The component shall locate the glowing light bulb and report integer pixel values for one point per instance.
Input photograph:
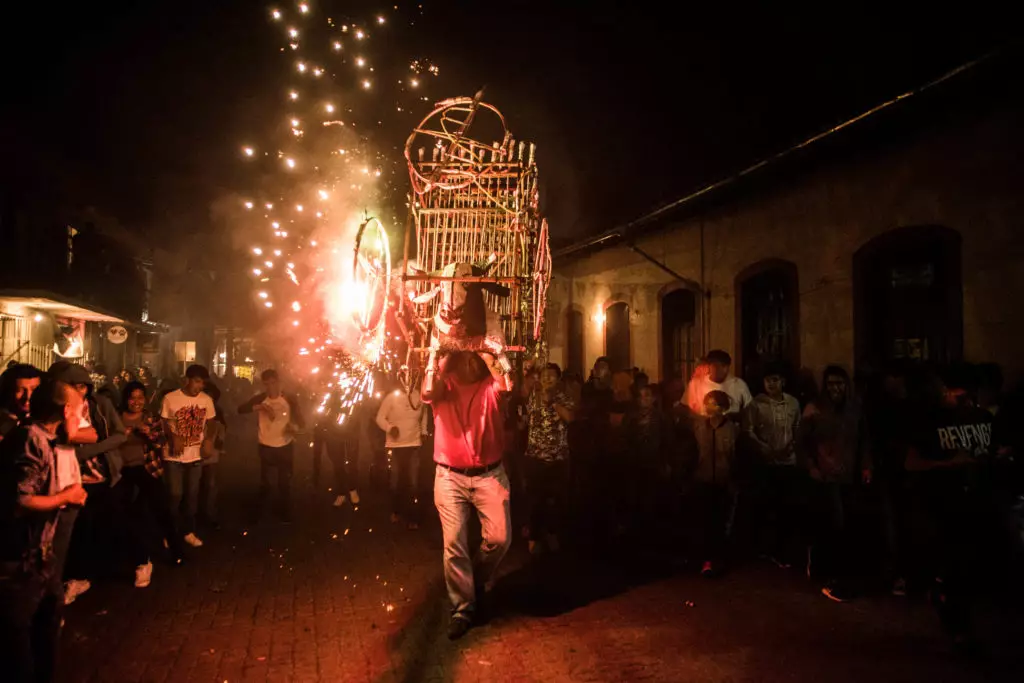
(293, 95)
(248, 151)
(329, 108)
(290, 163)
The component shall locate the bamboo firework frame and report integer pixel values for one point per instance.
(477, 203)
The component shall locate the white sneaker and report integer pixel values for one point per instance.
(193, 540)
(74, 588)
(353, 495)
(339, 501)
(143, 575)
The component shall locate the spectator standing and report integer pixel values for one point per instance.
(953, 440)
(835, 448)
(546, 463)
(403, 418)
(469, 478)
(341, 435)
(185, 412)
(712, 498)
(96, 440)
(141, 482)
(278, 418)
(772, 422)
(648, 433)
(31, 494)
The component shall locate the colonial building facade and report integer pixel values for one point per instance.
(900, 236)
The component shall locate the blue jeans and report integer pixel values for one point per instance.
(456, 497)
(183, 485)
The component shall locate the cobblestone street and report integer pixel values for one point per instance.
(343, 595)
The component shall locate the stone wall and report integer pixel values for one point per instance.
(966, 177)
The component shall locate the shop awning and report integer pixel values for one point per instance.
(29, 302)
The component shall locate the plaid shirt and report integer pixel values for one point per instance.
(154, 444)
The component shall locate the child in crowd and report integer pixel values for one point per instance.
(712, 495)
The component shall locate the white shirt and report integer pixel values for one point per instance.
(405, 411)
(187, 416)
(699, 387)
(273, 430)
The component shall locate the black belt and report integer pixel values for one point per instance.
(471, 471)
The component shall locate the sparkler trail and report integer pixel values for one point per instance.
(321, 175)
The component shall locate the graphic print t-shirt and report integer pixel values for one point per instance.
(949, 431)
(187, 416)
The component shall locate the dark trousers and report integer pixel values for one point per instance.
(709, 511)
(343, 453)
(945, 519)
(140, 492)
(282, 461)
(778, 510)
(403, 482)
(547, 493)
(30, 616)
(102, 531)
(208, 492)
(833, 550)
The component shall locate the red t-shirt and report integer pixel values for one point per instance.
(467, 425)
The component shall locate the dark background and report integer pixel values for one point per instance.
(137, 108)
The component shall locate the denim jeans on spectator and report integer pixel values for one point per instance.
(30, 620)
(457, 497)
(183, 486)
(208, 492)
(282, 460)
(404, 481)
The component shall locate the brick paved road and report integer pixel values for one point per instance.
(344, 596)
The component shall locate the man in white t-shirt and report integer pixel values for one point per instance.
(279, 418)
(713, 375)
(403, 418)
(185, 413)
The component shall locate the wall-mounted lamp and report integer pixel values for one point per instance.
(38, 317)
(599, 317)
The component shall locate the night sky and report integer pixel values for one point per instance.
(138, 108)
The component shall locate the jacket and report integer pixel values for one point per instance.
(834, 442)
(110, 432)
(772, 427)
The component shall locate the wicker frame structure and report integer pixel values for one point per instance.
(474, 203)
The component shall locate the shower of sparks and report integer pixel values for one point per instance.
(335, 150)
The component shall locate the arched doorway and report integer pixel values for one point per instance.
(680, 338)
(616, 335)
(768, 314)
(574, 341)
(908, 296)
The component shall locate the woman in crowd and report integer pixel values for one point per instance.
(546, 465)
(142, 474)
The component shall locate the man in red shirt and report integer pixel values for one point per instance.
(468, 447)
